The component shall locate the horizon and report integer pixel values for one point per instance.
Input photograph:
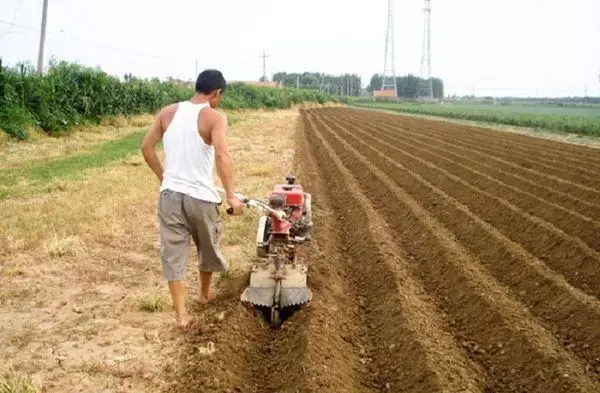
(546, 51)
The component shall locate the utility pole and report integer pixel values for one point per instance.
(297, 81)
(196, 70)
(42, 38)
(351, 91)
(264, 57)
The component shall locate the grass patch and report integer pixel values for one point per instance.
(582, 121)
(12, 382)
(153, 302)
(60, 247)
(13, 181)
(259, 169)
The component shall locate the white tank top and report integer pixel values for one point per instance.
(189, 161)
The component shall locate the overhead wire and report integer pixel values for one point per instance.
(88, 43)
(12, 24)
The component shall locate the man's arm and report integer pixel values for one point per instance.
(153, 136)
(223, 160)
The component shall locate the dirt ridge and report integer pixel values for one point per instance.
(562, 306)
(555, 147)
(425, 350)
(587, 210)
(498, 317)
(525, 169)
(565, 253)
(576, 225)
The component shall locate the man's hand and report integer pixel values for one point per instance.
(236, 205)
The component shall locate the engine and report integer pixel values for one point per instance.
(296, 204)
(292, 199)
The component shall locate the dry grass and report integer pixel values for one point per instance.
(42, 147)
(82, 257)
(64, 246)
(156, 301)
(13, 382)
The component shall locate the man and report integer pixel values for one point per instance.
(194, 140)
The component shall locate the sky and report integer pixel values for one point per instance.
(486, 47)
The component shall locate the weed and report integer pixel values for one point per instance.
(154, 302)
(13, 382)
(60, 247)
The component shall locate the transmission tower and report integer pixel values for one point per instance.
(388, 78)
(426, 84)
(264, 64)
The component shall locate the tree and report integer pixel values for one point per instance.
(409, 86)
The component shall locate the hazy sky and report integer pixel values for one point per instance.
(497, 47)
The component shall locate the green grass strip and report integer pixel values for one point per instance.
(69, 167)
(581, 125)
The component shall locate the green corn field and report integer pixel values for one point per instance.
(72, 94)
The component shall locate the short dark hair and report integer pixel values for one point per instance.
(210, 80)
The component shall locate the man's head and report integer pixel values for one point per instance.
(211, 83)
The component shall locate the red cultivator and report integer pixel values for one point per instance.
(278, 282)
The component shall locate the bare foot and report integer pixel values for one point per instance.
(189, 324)
(204, 300)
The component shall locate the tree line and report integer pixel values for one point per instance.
(409, 86)
(345, 85)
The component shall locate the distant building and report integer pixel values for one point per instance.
(385, 93)
(259, 83)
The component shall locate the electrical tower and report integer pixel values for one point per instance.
(264, 59)
(426, 84)
(388, 78)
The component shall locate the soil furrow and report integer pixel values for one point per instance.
(568, 255)
(262, 355)
(569, 313)
(587, 211)
(335, 327)
(568, 184)
(500, 334)
(585, 156)
(575, 177)
(410, 351)
(567, 220)
(553, 160)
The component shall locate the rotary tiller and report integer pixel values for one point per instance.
(278, 281)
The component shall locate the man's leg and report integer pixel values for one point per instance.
(175, 235)
(178, 291)
(205, 294)
(205, 222)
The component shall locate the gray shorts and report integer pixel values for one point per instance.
(181, 216)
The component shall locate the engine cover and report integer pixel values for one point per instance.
(293, 194)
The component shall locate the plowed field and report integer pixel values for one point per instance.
(446, 258)
(471, 257)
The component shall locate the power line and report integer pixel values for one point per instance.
(87, 43)
(12, 24)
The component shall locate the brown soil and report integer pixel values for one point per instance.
(445, 259)
(453, 277)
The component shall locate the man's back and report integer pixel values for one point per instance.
(189, 159)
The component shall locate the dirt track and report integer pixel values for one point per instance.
(446, 259)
